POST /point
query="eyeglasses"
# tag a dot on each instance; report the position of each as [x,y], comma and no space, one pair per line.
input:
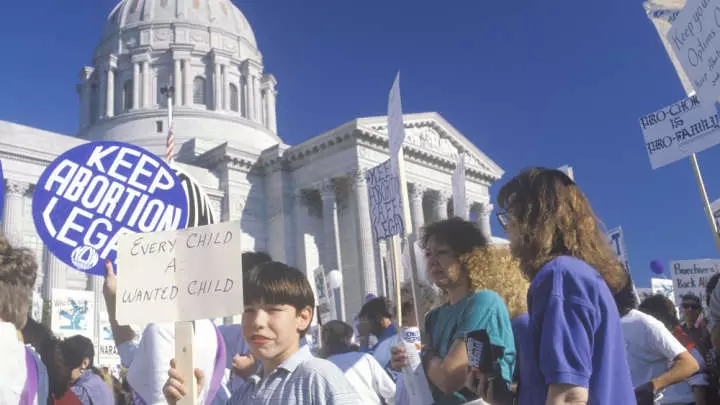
[502,218]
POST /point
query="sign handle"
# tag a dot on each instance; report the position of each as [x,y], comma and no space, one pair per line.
[706,201]
[395,255]
[185,360]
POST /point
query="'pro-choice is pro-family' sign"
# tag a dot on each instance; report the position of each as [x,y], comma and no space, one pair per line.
[93,193]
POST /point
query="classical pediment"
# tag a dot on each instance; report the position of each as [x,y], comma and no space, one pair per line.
[433,135]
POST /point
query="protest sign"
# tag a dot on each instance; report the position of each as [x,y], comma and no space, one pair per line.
[36,307]
[663,13]
[679,130]
[568,170]
[617,242]
[326,310]
[72,313]
[664,287]
[95,192]
[644,292]
[107,353]
[694,39]
[691,276]
[199,208]
[386,209]
[180,275]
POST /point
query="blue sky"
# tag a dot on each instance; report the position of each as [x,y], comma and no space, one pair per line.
[529,82]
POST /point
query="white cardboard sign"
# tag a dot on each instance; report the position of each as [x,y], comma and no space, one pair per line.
[72,313]
[691,276]
[679,130]
[181,275]
[695,38]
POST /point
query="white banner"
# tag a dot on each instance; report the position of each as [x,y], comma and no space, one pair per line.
[694,38]
[691,276]
[181,275]
[679,130]
[72,313]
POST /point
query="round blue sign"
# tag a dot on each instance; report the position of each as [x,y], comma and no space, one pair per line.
[93,193]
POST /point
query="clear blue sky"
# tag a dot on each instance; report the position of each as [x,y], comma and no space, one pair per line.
[529,82]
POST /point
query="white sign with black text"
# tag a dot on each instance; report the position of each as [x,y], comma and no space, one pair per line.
[679,130]
[181,275]
[691,276]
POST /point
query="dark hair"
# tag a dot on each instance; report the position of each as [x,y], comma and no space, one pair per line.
[552,217]
[710,287]
[625,299]
[75,349]
[276,283]
[462,236]
[18,271]
[692,297]
[377,308]
[252,259]
[660,307]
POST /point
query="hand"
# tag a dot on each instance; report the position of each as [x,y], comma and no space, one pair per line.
[174,388]
[399,358]
[645,394]
[244,365]
[110,284]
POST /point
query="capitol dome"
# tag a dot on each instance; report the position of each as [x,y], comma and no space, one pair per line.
[205,50]
[220,15]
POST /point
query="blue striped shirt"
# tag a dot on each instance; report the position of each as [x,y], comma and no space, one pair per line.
[300,380]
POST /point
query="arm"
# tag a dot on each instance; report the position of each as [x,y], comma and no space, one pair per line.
[566,394]
[382,383]
[684,365]
[448,374]
[121,333]
[700,394]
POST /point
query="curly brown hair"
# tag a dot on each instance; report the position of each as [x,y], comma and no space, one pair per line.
[494,268]
[18,271]
[552,217]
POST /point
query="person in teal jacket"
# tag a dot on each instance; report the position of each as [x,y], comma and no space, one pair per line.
[450,245]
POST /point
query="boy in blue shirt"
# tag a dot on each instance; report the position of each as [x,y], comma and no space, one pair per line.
[278,309]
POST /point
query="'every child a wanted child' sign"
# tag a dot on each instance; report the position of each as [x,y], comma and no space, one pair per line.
[183,275]
[95,192]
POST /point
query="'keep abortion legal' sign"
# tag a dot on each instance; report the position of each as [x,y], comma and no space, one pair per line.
[386,207]
[182,275]
[93,193]
[679,130]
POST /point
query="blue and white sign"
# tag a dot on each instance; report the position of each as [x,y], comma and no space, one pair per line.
[617,242]
[93,193]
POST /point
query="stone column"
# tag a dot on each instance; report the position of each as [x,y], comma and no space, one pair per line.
[188,82]
[177,83]
[257,98]
[136,85]
[440,205]
[246,110]
[225,88]
[85,83]
[300,214]
[331,239]
[146,83]
[417,191]
[269,100]
[110,93]
[56,274]
[12,220]
[366,251]
[484,212]
[217,86]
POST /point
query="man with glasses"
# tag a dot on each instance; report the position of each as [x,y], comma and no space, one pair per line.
[694,325]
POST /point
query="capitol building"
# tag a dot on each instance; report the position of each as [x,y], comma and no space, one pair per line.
[305,204]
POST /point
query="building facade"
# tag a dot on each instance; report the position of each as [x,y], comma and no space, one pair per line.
[305,204]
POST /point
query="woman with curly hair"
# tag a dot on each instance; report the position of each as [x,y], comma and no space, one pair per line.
[454,265]
[578,351]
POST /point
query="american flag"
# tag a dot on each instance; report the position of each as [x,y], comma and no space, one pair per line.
[170,145]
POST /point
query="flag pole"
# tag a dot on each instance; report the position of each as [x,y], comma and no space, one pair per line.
[169,92]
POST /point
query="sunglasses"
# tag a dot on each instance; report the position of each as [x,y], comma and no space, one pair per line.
[691,306]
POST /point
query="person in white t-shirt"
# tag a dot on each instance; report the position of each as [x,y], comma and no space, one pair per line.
[147,358]
[365,374]
[656,358]
[23,377]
